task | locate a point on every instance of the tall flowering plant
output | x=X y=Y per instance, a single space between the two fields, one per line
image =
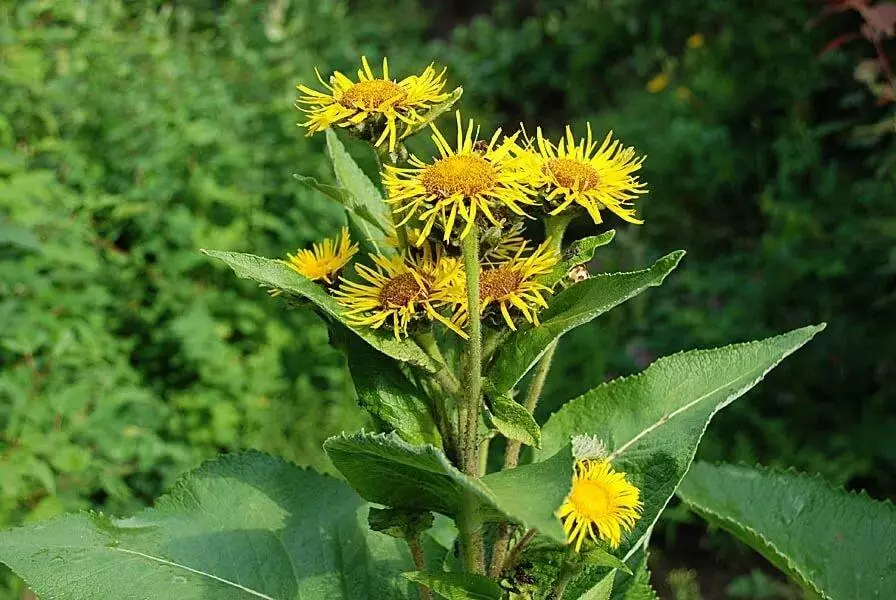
x=448 y=290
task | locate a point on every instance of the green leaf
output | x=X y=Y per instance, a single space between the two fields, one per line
x=579 y=252
x=274 y=273
x=572 y=307
x=514 y=422
x=531 y=494
x=244 y=527
x=601 y=558
x=387 y=470
x=435 y=112
x=385 y=391
x=652 y=422
x=602 y=590
x=835 y=543
x=398 y=523
x=457 y=586
x=365 y=200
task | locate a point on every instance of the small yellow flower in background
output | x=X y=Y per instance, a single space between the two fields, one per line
x=601 y=505
x=348 y=103
x=324 y=260
x=658 y=83
x=397 y=291
x=510 y=285
x=592 y=176
x=475 y=180
x=695 y=41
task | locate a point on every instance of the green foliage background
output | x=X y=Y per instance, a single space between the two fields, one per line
x=134 y=133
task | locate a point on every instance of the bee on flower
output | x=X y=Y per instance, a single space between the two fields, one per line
x=586 y=174
x=399 y=290
x=474 y=181
x=380 y=104
x=511 y=286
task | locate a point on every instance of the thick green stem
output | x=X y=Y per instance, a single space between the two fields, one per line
x=569 y=570
x=472 y=376
x=469 y=526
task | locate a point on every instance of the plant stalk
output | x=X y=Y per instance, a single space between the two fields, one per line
x=472 y=376
x=419 y=564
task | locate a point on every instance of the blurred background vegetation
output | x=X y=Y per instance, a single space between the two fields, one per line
x=134 y=133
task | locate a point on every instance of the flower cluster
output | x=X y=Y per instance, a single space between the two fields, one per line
x=491 y=185
x=459 y=224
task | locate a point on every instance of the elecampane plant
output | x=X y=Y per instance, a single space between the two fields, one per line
x=448 y=295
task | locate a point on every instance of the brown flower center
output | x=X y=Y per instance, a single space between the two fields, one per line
x=371 y=94
x=498 y=283
x=573 y=174
x=400 y=291
x=467 y=174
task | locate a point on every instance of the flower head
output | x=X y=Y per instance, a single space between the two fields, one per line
x=379 y=101
x=602 y=504
x=510 y=286
x=592 y=176
x=324 y=260
x=398 y=290
x=475 y=180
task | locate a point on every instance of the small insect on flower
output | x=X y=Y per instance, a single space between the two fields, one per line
x=325 y=260
x=399 y=290
x=602 y=504
x=511 y=285
x=592 y=176
x=376 y=101
x=472 y=181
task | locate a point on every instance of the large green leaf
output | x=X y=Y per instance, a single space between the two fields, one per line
x=385 y=391
x=652 y=422
x=387 y=470
x=837 y=544
x=244 y=527
x=364 y=200
x=572 y=307
x=457 y=586
x=275 y=274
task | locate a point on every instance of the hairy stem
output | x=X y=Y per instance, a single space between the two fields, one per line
x=419 y=564
x=567 y=572
x=472 y=376
x=469 y=525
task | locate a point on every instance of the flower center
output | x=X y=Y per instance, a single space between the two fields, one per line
x=591 y=499
x=466 y=174
x=371 y=94
x=573 y=174
x=498 y=283
x=400 y=291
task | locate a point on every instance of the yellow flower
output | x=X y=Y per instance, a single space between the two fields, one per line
x=398 y=290
x=510 y=244
x=602 y=504
x=510 y=284
x=476 y=180
x=658 y=83
x=382 y=101
x=324 y=260
x=592 y=176
x=695 y=41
